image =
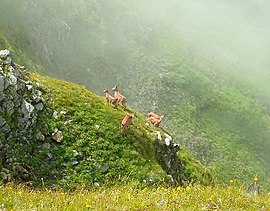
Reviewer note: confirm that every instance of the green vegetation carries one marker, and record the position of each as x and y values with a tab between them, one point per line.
92	138
93	151
224	128
125	198
210	80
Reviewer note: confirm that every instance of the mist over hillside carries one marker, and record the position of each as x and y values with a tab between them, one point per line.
203	63
100	38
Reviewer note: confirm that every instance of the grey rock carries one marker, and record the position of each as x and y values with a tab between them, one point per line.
4	53
55	114
39	106
75	162
50	156
7	83
27	108
166	154
2	97
37	99
29	86
14	72
159	136
2	121
7	61
9	107
13	80
168	136
167	142
2	83
46	146
40	136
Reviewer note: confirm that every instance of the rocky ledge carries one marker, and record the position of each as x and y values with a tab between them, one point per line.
21	102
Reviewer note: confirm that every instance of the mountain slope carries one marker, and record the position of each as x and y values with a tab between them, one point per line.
216	110
60	133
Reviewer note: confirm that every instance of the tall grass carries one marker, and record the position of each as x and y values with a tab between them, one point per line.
126	198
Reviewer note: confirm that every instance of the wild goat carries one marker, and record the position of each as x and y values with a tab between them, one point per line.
126	122
151	114
122	99
154	118
110	99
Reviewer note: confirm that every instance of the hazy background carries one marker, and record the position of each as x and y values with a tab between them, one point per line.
95	36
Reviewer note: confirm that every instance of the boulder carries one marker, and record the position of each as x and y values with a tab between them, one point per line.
57	136
4	54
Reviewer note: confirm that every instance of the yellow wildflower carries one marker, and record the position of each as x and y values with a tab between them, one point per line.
231	181
188	188
87	205
20	192
49	191
62	193
178	188
256	179
212	198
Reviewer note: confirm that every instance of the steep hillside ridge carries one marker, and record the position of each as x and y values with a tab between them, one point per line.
60	133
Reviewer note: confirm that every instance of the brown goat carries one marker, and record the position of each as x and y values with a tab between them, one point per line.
110	99
126	122
121	98
151	114
155	119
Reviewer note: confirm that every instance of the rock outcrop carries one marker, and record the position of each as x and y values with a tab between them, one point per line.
21	101
166	154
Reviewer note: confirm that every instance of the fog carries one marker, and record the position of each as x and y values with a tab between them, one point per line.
223	32
107	37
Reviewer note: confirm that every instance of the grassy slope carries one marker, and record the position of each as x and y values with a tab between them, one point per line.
93	150
223	127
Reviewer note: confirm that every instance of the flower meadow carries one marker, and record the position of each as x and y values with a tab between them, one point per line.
195	197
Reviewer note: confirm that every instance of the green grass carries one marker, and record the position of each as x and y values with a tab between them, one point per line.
230	197
92	136
93	151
